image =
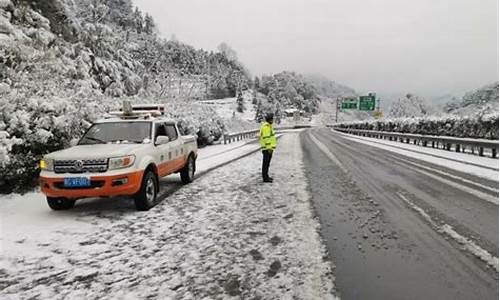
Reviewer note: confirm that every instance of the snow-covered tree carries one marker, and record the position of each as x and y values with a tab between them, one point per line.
149	24
410	106
256	83
138	20
482	101
52	85
290	90
240	103
229	52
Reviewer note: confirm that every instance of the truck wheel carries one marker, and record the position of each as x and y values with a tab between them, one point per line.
187	173
146	197
60	203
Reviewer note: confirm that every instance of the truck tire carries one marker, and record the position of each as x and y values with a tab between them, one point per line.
146	197
60	203
187	173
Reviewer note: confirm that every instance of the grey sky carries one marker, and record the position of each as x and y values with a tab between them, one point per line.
430	47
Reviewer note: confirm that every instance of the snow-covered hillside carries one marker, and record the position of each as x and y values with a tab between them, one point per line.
482	101
234	120
410	106
64	63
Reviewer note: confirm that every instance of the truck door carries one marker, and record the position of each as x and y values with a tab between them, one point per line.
176	148
161	151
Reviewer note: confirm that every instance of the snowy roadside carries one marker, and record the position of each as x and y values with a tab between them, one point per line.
224	236
481	166
214	156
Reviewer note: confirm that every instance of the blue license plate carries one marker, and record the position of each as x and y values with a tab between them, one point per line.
76	182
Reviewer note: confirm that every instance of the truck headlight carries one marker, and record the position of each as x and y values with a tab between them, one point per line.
121	162
47	164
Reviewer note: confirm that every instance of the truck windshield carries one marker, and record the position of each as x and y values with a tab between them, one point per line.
119	132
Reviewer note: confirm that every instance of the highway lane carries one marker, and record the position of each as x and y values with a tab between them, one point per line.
400	228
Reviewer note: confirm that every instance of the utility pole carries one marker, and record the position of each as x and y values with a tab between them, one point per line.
337	110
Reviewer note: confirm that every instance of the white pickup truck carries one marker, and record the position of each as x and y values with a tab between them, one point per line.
124	155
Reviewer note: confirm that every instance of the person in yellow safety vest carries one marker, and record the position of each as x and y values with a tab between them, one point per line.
268	145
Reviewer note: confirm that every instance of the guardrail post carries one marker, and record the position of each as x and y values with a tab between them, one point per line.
493	152
481	151
225	139
457	147
448	146
424	143
432	144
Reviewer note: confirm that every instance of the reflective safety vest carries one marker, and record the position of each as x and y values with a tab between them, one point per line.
267	137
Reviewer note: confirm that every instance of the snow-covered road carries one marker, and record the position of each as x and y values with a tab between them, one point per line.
226	235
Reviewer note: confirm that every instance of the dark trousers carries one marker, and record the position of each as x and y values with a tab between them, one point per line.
266	161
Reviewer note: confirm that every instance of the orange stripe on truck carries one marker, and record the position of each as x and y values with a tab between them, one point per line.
171	166
134	181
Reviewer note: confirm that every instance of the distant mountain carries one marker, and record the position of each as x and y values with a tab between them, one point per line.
328	88
482	101
329	91
441	100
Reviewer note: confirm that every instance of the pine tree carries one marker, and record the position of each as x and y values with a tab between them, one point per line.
277	113
256	83
258	112
120	13
138	20
254	97
149	24
240	103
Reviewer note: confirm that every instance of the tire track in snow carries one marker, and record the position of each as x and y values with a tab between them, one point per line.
448	230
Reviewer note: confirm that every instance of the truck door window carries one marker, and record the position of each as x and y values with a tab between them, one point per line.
160	130
171	132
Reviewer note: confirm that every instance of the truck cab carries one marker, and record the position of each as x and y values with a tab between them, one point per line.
124	154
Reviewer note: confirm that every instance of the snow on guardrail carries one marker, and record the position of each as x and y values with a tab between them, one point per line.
435	141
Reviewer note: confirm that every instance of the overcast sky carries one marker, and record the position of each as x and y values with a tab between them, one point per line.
428	47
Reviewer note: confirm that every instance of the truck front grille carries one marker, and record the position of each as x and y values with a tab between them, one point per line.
81	166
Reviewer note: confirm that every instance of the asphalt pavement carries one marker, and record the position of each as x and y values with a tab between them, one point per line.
399	228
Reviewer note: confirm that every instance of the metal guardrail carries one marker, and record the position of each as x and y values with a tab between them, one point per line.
238	136
443	142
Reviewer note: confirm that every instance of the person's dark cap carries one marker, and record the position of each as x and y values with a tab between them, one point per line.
269	117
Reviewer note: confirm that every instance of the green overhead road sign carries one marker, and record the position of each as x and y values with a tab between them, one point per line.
349	103
367	102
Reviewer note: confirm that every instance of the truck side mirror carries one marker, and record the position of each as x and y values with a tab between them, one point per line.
162	140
